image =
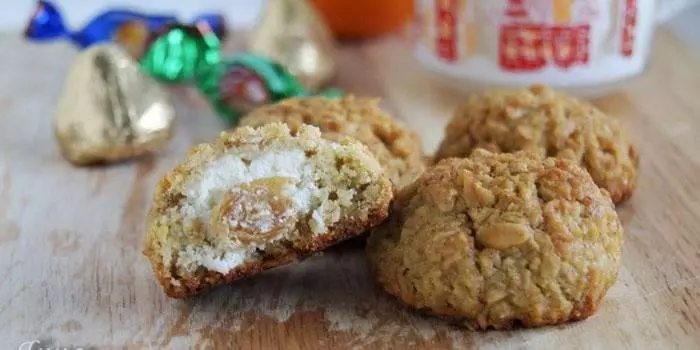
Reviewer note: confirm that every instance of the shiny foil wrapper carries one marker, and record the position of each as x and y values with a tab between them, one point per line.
46	24
180	53
110	110
244	81
292	33
233	85
133	37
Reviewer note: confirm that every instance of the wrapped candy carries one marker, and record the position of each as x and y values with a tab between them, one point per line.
110	110
46	23
178	52
292	33
245	81
233	85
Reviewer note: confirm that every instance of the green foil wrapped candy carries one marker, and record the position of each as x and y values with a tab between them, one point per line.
179	52
246	81
234	85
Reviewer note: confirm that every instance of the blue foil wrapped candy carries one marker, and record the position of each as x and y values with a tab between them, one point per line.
46	24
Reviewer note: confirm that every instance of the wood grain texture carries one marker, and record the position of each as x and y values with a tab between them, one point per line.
71	271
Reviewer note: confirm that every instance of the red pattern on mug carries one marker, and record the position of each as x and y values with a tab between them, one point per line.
629	28
446	25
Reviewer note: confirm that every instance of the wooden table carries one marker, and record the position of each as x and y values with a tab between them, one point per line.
72	273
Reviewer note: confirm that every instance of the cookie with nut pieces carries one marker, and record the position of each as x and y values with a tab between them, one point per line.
499	240
551	123
258	198
396	147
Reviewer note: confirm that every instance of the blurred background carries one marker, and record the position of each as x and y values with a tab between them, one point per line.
240	13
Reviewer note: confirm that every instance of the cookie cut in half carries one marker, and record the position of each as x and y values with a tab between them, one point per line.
397	148
499	240
256	199
549	122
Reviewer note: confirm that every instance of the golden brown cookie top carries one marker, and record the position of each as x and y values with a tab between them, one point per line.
396	148
551	123
499	239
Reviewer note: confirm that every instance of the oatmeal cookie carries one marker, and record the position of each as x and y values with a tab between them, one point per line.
396	148
498	240
258	198
552	123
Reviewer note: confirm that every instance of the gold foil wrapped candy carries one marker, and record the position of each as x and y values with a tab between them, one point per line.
133	36
292	33
110	110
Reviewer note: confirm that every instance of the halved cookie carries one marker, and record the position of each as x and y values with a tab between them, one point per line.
260	198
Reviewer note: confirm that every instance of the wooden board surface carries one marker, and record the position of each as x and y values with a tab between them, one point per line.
71	271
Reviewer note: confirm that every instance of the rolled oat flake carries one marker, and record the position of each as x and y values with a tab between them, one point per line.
587	47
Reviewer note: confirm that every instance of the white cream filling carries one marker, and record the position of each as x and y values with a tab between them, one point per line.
228	173
220	260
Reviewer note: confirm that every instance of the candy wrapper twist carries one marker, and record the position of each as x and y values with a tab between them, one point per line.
46	24
233	85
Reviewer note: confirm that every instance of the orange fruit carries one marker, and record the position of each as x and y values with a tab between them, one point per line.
357	19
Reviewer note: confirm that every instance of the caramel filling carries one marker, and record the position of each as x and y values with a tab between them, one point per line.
255	212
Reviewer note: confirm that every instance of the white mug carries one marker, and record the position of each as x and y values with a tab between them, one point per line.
585	46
